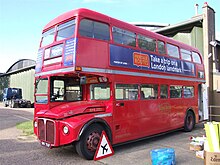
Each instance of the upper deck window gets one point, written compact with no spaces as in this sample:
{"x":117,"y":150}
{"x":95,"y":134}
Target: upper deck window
{"x":173,"y":51}
{"x":66,"y":30}
{"x":196,"y":58}
{"x":93,"y":29}
{"x":161,"y":47}
{"x":124,"y":37}
{"x":186,"y":55}
{"x":146,"y":43}
{"x":48,"y":37}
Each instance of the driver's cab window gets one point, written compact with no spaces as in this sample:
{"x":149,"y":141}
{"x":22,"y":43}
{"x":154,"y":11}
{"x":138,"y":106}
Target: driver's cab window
{"x":58,"y":90}
{"x":65,"y":89}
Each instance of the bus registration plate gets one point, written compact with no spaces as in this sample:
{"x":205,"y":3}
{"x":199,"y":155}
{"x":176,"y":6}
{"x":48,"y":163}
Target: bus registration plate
{"x":45,"y":144}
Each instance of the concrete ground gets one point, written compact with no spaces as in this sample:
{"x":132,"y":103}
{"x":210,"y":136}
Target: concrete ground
{"x":14,"y":149}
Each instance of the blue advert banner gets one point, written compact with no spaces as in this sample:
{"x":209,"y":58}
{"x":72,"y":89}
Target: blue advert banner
{"x":70,"y":52}
{"x":129,"y":58}
{"x":39,"y":61}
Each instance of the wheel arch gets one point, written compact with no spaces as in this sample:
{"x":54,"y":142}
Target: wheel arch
{"x":190,"y":120}
{"x":99,"y":121}
{"x":190,"y":109}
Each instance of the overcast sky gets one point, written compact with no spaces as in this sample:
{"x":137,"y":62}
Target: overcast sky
{"x":21,"y":21}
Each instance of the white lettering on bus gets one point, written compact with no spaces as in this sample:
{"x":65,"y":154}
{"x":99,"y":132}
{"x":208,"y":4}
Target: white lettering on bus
{"x":158,"y":67}
{"x":154,"y":59}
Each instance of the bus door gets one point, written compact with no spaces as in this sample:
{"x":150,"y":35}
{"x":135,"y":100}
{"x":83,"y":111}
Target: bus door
{"x":203,"y":102}
{"x":126,"y":112}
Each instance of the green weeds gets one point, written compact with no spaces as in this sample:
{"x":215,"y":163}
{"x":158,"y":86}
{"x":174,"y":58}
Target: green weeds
{"x":26,"y":127}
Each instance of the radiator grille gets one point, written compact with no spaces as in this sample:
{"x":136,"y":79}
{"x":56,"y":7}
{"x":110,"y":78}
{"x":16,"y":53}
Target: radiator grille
{"x":50,"y":131}
{"x":41,"y":130}
{"x":46,"y":130}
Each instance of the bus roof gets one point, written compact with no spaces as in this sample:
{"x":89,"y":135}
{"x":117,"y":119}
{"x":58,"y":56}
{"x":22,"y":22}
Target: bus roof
{"x":104,"y":18}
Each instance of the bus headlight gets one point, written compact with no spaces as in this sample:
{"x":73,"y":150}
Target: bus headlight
{"x":65,"y":130}
{"x":35,"y":124}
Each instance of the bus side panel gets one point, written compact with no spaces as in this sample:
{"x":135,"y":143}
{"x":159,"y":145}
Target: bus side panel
{"x":155,"y":116}
{"x":126,"y":117}
{"x":177,"y":113}
{"x":91,"y":52}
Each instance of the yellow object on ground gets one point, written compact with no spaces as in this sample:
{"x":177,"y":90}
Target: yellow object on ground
{"x":212,"y":134}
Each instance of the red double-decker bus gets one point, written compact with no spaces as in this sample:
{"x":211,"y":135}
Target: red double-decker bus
{"x":96,"y":73}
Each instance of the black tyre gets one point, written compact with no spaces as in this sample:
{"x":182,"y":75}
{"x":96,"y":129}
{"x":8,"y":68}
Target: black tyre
{"x":13,"y":104}
{"x":189,"y":123}
{"x":5,"y":104}
{"x":28,"y":105}
{"x":89,"y":140}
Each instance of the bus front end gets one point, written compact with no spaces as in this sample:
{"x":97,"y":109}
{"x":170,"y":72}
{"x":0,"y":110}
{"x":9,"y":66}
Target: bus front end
{"x":62,"y":108}
{"x":57,"y":99}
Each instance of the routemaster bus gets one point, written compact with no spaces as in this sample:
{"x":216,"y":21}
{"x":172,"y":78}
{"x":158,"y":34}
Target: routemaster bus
{"x":95,"y":73}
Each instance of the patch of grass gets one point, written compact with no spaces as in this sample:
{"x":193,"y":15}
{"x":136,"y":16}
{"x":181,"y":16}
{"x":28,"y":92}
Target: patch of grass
{"x":26,"y":127}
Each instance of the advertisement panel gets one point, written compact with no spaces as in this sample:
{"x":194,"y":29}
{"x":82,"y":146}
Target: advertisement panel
{"x":130,"y":58}
{"x":39,"y":61}
{"x":70,"y":52}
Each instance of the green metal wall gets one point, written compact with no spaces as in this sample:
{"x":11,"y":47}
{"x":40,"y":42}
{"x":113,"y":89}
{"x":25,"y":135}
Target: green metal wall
{"x":197,"y":38}
{"x":193,"y":38}
{"x":183,"y":37}
{"x":4,"y":81}
{"x":25,"y":81}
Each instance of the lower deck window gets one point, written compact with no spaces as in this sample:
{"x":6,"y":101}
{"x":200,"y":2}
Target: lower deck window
{"x":126,"y":92}
{"x":164,"y":91}
{"x":188,"y":91}
{"x":100,"y":92}
{"x":175,"y":91}
{"x":149,"y":91}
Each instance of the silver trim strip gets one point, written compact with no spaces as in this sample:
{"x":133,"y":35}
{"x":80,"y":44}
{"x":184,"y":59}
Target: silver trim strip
{"x":97,"y":70}
{"x":110,"y":71}
{"x":104,"y":115}
{"x":55,"y":71}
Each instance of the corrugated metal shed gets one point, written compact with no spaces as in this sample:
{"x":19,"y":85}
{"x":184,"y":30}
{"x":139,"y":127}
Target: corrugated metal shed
{"x":20,"y":75}
{"x":25,"y":81}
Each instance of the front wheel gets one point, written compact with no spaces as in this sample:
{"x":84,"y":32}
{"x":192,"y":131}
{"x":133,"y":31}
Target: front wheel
{"x":13,"y":104}
{"x":5,"y":104}
{"x":189,"y":121}
{"x":89,"y":141}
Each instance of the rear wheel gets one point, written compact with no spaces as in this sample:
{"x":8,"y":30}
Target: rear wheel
{"x":28,"y":105}
{"x":89,"y":141}
{"x":189,"y":121}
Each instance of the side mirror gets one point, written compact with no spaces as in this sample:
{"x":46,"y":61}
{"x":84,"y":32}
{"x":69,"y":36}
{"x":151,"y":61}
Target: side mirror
{"x":83,"y":80}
